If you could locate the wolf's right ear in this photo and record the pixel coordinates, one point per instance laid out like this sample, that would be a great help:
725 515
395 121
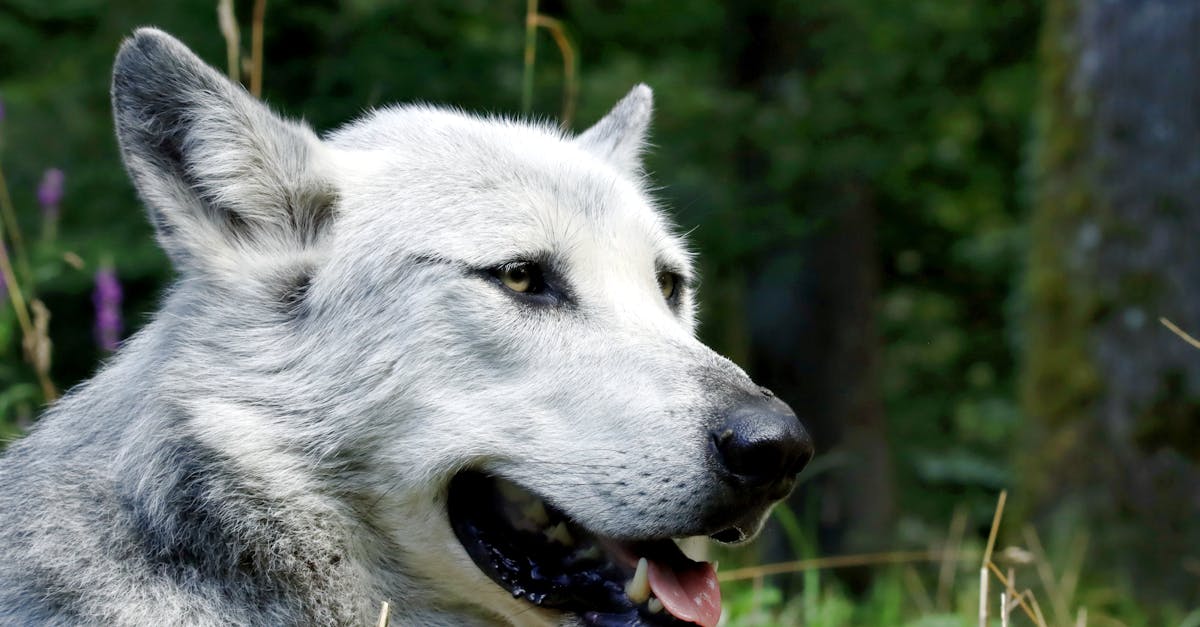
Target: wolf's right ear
225 180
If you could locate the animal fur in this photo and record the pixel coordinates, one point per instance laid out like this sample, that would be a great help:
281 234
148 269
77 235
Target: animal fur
274 446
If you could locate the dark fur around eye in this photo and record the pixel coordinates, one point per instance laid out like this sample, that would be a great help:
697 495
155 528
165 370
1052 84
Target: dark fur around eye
531 283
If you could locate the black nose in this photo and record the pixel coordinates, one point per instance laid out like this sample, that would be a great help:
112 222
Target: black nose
762 444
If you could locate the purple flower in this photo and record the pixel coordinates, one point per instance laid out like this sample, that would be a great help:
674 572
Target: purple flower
107 299
50 191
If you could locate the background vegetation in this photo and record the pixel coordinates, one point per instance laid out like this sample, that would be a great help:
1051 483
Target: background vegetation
943 230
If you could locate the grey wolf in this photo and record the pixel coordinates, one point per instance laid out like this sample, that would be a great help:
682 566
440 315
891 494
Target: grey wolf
431 358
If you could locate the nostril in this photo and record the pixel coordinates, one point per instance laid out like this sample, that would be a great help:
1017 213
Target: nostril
755 462
729 536
804 454
761 446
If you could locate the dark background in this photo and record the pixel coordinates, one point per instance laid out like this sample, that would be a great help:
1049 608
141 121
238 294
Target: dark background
943 230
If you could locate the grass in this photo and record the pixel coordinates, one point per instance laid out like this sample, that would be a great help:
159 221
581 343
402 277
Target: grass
957 581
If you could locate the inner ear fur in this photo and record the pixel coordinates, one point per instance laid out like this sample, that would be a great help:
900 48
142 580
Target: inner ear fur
620 136
219 172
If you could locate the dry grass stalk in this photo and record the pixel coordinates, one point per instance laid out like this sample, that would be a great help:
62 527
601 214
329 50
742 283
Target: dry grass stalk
838 561
1026 601
14 293
987 559
991 542
34 336
74 260
1180 332
948 569
256 48
1037 617
916 590
570 86
385 615
983 595
531 13
533 21
9 212
38 348
1074 567
1058 600
756 596
34 330
233 45
1009 596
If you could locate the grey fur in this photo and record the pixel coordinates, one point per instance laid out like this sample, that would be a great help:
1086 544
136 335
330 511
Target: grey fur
274 447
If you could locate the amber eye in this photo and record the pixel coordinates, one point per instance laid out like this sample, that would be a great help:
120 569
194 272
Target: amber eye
521 276
668 283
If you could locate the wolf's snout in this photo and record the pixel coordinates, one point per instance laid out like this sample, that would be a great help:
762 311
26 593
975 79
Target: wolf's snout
761 444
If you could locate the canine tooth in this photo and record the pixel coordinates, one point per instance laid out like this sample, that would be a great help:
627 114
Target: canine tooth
511 492
558 533
638 588
592 552
654 605
535 512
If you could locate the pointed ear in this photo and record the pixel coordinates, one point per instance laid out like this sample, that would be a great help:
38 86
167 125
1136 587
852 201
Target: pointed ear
619 136
225 180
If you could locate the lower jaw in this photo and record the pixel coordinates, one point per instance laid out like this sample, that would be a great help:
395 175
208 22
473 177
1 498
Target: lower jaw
537 554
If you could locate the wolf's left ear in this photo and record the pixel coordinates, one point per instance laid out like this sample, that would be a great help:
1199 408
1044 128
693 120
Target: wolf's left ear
225 180
619 136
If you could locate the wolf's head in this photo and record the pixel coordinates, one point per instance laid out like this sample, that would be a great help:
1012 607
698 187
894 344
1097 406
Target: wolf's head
473 335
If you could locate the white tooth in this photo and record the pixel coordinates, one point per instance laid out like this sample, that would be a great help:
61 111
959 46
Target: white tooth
558 533
592 552
716 564
511 492
519 520
654 605
638 588
535 512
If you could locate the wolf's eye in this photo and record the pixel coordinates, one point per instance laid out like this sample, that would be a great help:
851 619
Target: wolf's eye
521 276
668 283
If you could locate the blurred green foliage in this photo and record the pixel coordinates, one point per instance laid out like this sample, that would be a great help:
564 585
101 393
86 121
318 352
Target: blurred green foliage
926 104
766 113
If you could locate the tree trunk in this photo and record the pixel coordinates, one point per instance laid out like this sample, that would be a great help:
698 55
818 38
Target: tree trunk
1113 397
845 268
811 308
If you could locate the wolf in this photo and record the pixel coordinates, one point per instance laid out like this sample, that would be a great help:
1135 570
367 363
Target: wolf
433 359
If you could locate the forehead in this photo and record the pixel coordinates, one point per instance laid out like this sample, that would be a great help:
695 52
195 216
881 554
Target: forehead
486 191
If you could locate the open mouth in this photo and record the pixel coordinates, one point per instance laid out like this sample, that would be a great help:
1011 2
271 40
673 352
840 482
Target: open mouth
535 552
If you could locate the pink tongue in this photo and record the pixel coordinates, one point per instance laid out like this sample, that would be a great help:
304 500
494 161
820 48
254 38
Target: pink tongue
691 594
